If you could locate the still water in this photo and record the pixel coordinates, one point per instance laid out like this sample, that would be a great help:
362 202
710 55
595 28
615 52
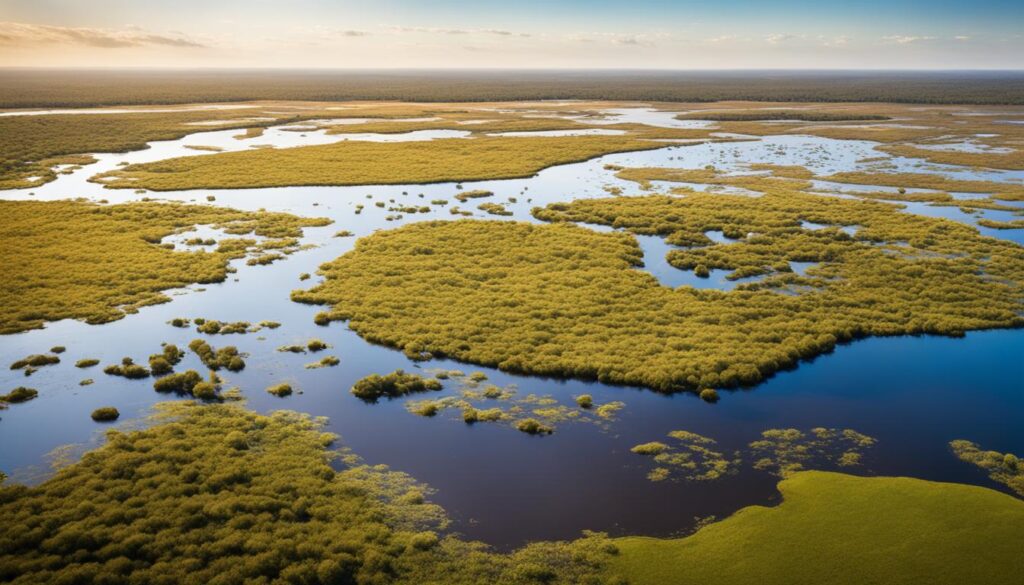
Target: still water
914 394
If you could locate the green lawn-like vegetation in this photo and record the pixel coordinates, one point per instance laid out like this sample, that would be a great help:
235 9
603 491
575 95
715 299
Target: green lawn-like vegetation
567 301
77 260
835 528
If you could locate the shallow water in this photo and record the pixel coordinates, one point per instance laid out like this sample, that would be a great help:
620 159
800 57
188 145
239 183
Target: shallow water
913 393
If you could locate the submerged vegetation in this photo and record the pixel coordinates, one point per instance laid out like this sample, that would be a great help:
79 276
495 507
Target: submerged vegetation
78 260
690 456
784 451
566 301
1005 468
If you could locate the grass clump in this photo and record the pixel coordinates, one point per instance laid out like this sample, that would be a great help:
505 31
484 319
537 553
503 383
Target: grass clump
214 327
225 357
35 361
19 394
127 369
280 390
182 383
494 209
652 448
86 382
315 345
1005 468
86 363
105 414
60 244
325 362
532 426
393 385
465 196
57 349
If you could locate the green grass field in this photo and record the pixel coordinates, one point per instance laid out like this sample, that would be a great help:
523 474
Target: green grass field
834 529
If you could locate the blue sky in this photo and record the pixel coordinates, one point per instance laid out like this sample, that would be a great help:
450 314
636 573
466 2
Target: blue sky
984 34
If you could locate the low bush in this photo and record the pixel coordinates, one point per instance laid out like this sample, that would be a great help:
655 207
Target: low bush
105 414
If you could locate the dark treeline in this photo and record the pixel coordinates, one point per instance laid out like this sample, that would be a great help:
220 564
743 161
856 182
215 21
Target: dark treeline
22 88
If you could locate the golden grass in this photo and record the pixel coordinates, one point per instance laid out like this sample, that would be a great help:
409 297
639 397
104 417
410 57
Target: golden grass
372 163
77 260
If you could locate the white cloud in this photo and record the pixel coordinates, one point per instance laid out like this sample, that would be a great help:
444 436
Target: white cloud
906 39
18 33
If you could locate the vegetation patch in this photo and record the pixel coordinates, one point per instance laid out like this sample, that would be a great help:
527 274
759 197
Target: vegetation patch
87 363
19 394
269 496
393 385
78 260
226 357
690 456
325 362
491 403
127 369
35 361
280 390
105 414
562 300
372 163
783 451
1004 468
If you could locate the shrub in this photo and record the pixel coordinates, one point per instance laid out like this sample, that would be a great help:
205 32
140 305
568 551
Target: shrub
179 322
35 361
159 365
315 345
585 400
182 383
19 394
426 408
86 363
105 414
470 415
397 383
127 369
204 391
652 448
280 390
532 426
57 349
709 395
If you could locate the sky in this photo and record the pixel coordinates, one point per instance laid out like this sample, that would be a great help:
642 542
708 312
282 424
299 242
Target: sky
640 34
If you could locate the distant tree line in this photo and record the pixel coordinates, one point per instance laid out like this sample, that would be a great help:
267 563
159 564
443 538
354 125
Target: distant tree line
22 88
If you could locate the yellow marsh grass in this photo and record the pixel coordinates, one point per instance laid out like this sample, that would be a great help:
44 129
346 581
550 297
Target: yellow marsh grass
77 260
372 163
